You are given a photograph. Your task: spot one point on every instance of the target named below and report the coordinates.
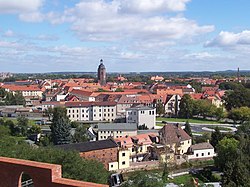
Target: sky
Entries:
(129, 35)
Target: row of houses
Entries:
(117, 148)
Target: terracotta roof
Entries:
(80, 92)
(86, 104)
(173, 134)
(124, 142)
(200, 146)
(143, 139)
(22, 88)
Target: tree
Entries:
(165, 173)
(60, 127)
(49, 112)
(160, 110)
(80, 134)
(233, 160)
(23, 124)
(241, 114)
(188, 129)
(237, 98)
(216, 136)
(186, 107)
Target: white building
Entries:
(141, 115)
(201, 151)
(91, 111)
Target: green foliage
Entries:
(186, 107)
(200, 139)
(237, 98)
(22, 125)
(241, 114)
(233, 160)
(216, 136)
(165, 173)
(34, 129)
(60, 127)
(80, 134)
(73, 166)
(141, 179)
(160, 110)
(11, 99)
(230, 86)
(188, 129)
(119, 90)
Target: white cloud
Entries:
(19, 6)
(99, 20)
(230, 39)
(152, 6)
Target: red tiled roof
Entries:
(79, 104)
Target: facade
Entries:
(175, 138)
(141, 115)
(26, 91)
(104, 151)
(91, 111)
(201, 151)
(172, 104)
(116, 130)
(101, 73)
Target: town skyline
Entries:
(130, 36)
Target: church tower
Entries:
(101, 73)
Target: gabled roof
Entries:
(87, 104)
(90, 146)
(170, 134)
(200, 146)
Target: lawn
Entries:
(31, 122)
(201, 121)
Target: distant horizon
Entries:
(131, 72)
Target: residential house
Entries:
(175, 138)
(201, 151)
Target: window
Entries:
(101, 137)
(69, 111)
(149, 112)
(208, 153)
(100, 110)
(111, 165)
(202, 154)
(134, 113)
(133, 149)
(100, 115)
(123, 163)
(182, 151)
(197, 155)
(153, 112)
(123, 154)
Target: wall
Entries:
(203, 153)
(42, 174)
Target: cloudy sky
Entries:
(130, 35)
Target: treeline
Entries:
(7, 98)
(199, 108)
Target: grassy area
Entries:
(202, 121)
(31, 122)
